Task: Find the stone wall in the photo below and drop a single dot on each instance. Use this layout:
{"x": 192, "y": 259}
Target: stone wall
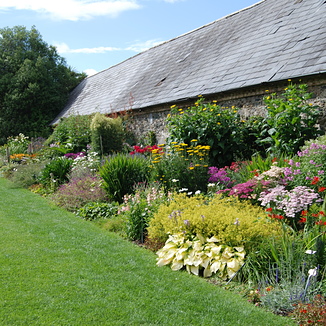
{"x": 248, "y": 100}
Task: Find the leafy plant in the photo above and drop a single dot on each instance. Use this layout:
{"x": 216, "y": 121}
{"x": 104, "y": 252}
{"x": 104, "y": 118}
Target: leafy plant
{"x": 290, "y": 120}
{"x": 220, "y": 128}
{"x": 72, "y": 132}
{"x": 107, "y": 134}
{"x": 56, "y": 172}
{"x": 78, "y": 192}
{"x": 138, "y": 209}
{"x": 198, "y": 254}
{"x": 96, "y": 210}
{"x": 182, "y": 166}
{"x": 121, "y": 173}
{"x": 233, "y": 222}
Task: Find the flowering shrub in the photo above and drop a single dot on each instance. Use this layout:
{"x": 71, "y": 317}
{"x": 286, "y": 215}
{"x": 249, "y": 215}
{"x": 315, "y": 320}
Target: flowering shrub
{"x": 233, "y": 222}
{"x": 199, "y": 254}
{"x": 181, "y": 166}
{"x": 287, "y": 204}
{"x": 220, "y": 128}
{"x": 219, "y": 176}
{"x": 313, "y": 313}
{"x": 79, "y": 192}
{"x": 18, "y": 144}
{"x": 139, "y": 208}
{"x": 84, "y": 164}
{"x": 308, "y": 168}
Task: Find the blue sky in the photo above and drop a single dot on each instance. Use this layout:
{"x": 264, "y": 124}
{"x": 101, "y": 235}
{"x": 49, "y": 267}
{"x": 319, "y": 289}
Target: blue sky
{"x": 93, "y": 35}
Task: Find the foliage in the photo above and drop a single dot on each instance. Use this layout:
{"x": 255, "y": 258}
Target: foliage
{"x": 96, "y": 210}
{"x": 84, "y": 164}
{"x": 307, "y": 168}
{"x": 34, "y": 83}
{"x": 288, "y": 205}
{"x": 56, "y": 172}
{"x": 220, "y": 128}
{"x": 72, "y": 132}
{"x": 313, "y": 313}
{"x": 78, "y": 192}
{"x": 138, "y": 209}
{"x": 121, "y": 173}
{"x": 181, "y": 167}
{"x": 18, "y": 144}
{"x": 25, "y": 175}
{"x": 233, "y": 222}
{"x": 198, "y": 254}
{"x": 290, "y": 120}
{"x": 107, "y": 134}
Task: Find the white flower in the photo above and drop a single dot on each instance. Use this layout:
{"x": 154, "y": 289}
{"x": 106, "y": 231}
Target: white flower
{"x": 183, "y": 189}
{"x": 197, "y": 192}
{"x": 312, "y": 272}
{"x": 189, "y": 193}
{"x": 211, "y": 185}
{"x": 174, "y": 180}
{"x": 310, "y": 252}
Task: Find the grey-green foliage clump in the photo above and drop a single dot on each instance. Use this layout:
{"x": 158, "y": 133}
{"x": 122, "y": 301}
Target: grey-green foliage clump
{"x": 106, "y": 134}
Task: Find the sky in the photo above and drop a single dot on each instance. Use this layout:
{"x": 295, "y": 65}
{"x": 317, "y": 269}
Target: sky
{"x": 93, "y": 35}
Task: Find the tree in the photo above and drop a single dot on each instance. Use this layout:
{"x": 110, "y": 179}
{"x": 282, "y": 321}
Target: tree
{"x": 34, "y": 83}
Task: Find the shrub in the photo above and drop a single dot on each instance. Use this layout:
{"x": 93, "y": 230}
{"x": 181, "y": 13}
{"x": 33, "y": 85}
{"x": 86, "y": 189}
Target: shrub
{"x": 78, "y": 192}
{"x": 73, "y": 132}
{"x": 107, "y": 134}
{"x": 121, "y": 173}
{"x": 26, "y": 175}
{"x": 138, "y": 209}
{"x": 96, "y": 210}
{"x": 220, "y": 128}
{"x": 182, "y": 166}
{"x": 233, "y": 222}
{"x": 290, "y": 120}
{"x": 56, "y": 172}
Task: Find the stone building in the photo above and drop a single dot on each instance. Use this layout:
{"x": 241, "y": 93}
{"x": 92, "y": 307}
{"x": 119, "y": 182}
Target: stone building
{"x": 232, "y": 60}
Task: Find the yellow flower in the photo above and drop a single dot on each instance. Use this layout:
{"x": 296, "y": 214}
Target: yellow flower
{"x": 173, "y": 106}
{"x": 197, "y": 165}
{"x": 200, "y": 95}
{"x": 191, "y": 167}
{"x": 193, "y": 140}
{"x": 233, "y": 107}
{"x": 204, "y": 109}
{"x": 268, "y": 98}
{"x": 179, "y": 109}
{"x": 267, "y": 90}
{"x": 219, "y": 123}
{"x": 219, "y": 114}
{"x": 169, "y": 115}
{"x": 214, "y": 101}
{"x": 289, "y": 79}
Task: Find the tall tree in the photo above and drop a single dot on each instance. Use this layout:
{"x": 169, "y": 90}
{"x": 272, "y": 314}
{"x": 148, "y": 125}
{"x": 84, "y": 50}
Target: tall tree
{"x": 34, "y": 83}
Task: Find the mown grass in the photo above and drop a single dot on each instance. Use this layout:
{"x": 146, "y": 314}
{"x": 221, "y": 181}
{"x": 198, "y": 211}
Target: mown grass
{"x": 56, "y": 269}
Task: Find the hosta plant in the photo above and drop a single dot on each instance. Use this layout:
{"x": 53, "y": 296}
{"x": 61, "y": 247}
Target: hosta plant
{"x": 200, "y": 255}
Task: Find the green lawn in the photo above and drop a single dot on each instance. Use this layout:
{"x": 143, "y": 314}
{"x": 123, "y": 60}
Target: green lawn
{"x": 56, "y": 269}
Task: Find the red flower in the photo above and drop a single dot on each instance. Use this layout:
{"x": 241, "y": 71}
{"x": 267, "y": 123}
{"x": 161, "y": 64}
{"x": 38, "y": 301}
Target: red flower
{"x": 303, "y": 220}
{"x": 278, "y": 217}
{"x": 304, "y": 213}
{"x": 274, "y": 160}
{"x": 321, "y": 213}
{"x": 315, "y": 180}
{"x": 321, "y": 189}
{"x": 269, "y": 209}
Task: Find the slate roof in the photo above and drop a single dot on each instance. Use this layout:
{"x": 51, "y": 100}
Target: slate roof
{"x": 269, "y": 41}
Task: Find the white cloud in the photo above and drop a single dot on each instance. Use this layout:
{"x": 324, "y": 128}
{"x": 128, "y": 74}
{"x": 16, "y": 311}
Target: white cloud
{"x": 64, "y": 48}
{"x": 143, "y": 46}
{"x": 72, "y": 9}
{"x": 90, "y": 72}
